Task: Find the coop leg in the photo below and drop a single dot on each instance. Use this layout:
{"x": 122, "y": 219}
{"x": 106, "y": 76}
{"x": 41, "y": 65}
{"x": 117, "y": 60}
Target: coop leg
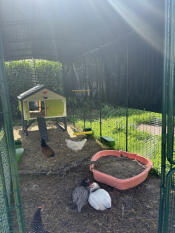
{"x": 24, "y": 122}
{"x": 65, "y": 123}
{"x": 25, "y": 128}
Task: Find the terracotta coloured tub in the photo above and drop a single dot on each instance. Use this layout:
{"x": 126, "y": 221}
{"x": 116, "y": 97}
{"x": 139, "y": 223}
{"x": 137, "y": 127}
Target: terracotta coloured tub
{"x": 121, "y": 184}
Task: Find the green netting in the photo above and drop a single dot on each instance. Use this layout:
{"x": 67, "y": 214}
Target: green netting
{"x": 167, "y": 203}
{"x": 171, "y": 214}
{"x": 66, "y": 29}
{"x": 132, "y": 79}
{"x": 4, "y": 185}
{"x": 133, "y": 130}
{"x": 3, "y": 213}
{"x": 5, "y": 162}
{"x": 10, "y": 206}
{"x": 168, "y": 223}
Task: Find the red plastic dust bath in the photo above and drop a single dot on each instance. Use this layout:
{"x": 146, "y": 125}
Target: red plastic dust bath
{"x": 121, "y": 184}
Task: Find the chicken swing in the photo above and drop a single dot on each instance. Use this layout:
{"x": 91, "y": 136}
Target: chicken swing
{"x": 86, "y": 131}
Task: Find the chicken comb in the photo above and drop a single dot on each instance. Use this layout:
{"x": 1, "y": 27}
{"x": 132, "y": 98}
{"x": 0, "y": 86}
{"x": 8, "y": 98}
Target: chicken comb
{"x": 40, "y": 207}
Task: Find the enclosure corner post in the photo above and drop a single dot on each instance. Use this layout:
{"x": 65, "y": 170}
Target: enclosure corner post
{"x": 167, "y": 114}
{"x": 127, "y": 95}
{"x": 100, "y": 123}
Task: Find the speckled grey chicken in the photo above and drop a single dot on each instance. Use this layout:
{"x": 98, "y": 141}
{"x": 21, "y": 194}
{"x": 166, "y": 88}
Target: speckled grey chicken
{"x": 80, "y": 194}
{"x": 37, "y": 225}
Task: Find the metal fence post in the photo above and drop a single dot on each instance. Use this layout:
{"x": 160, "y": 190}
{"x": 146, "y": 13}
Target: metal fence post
{"x": 168, "y": 98}
{"x": 5, "y": 196}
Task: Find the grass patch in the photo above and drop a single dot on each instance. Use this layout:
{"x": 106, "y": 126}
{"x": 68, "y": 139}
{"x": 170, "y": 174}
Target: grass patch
{"x": 139, "y": 141}
{"x": 1, "y": 134}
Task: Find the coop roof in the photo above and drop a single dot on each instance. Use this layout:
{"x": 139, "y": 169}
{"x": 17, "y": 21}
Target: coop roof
{"x": 33, "y": 91}
{"x": 67, "y": 29}
{"x": 30, "y": 92}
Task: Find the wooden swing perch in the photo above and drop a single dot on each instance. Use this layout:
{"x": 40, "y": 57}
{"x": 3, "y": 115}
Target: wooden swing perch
{"x": 83, "y": 133}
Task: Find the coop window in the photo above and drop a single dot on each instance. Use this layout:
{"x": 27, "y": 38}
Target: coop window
{"x": 36, "y": 106}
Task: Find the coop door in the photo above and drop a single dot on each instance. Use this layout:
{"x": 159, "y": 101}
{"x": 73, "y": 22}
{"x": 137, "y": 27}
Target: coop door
{"x": 26, "y": 110}
{"x": 54, "y": 108}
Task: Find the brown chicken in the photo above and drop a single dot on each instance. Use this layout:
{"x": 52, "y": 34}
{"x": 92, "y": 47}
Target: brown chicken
{"x": 46, "y": 150}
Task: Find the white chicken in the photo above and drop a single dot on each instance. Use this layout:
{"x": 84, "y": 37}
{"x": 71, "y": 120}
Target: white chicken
{"x": 75, "y": 145}
{"x": 99, "y": 198}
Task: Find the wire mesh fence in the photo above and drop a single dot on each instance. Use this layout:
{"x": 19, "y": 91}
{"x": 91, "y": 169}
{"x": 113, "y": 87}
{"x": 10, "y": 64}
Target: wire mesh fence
{"x": 171, "y": 214}
{"x": 5, "y": 179}
{"x": 168, "y": 223}
{"x": 8, "y": 217}
{"x": 4, "y": 186}
{"x": 5, "y": 162}
{"x": 135, "y": 131}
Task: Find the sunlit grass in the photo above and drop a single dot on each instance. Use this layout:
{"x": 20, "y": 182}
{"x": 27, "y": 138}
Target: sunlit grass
{"x": 139, "y": 141}
{"x": 1, "y": 134}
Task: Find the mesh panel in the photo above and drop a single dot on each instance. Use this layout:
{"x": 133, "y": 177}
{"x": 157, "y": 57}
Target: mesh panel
{"x": 139, "y": 133}
{"x": 171, "y": 214}
{"x": 4, "y": 181}
{"x": 5, "y": 163}
{"x": 3, "y": 213}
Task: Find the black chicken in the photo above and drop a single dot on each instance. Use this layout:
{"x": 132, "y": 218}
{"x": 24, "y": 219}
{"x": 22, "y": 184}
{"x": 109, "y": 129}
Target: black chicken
{"x": 37, "y": 225}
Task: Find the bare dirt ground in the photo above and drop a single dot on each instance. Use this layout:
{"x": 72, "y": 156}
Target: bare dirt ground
{"x": 119, "y": 167}
{"x": 34, "y": 160}
{"x": 133, "y": 211}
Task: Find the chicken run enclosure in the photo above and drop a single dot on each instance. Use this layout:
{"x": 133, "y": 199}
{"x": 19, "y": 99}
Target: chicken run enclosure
{"x": 117, "y": 67}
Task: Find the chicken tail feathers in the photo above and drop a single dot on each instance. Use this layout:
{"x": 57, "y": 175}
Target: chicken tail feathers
{"x": 79, "y": 208}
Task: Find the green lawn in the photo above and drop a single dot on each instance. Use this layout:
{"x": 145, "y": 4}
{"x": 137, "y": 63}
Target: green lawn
{"x": 140, "y": 141}
{"x": 1, "y": 134}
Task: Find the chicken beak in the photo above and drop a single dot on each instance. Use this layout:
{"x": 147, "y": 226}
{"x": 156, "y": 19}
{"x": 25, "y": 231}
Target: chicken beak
{"x": 91, "y": 185}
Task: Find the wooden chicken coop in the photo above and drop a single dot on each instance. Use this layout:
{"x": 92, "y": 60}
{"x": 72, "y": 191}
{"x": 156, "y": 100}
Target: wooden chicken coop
{"x": 41, "y": 102}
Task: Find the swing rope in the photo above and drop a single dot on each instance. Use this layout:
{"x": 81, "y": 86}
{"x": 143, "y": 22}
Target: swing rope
{"x": 34, "y": 76}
